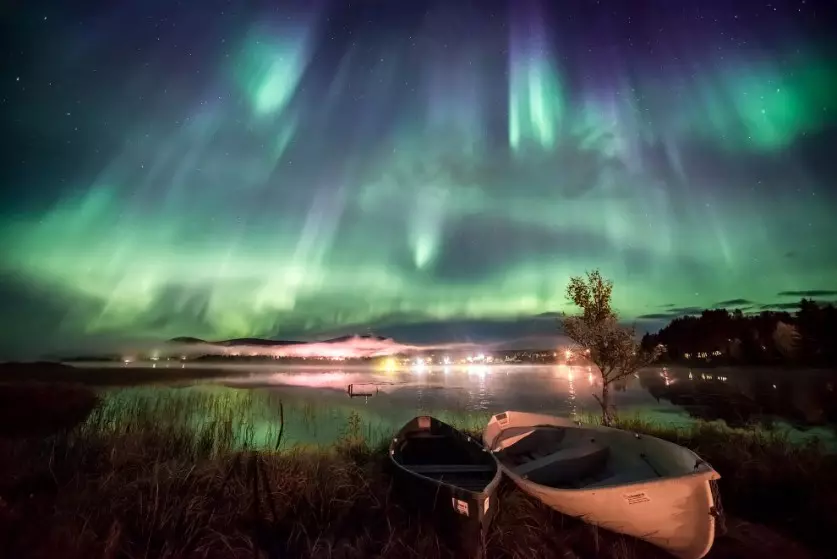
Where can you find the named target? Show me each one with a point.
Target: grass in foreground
(764, 477)
(130, 487)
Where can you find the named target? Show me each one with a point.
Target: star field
(300, 169)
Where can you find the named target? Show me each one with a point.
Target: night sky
(432, 170)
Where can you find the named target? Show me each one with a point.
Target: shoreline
(55, 372)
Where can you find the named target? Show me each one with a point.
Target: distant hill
(188, 340)
(351, 337)
(258, 342)
(49, 366)
(271, 343)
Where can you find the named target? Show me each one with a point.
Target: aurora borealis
(311, 168)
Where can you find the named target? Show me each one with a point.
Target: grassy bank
(154, 483)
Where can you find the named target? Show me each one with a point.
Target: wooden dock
(365, 390)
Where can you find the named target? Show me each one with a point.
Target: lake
(317, 402)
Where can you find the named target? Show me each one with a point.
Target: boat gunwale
(710, 475)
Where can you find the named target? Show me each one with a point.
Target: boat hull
(461, 512)
(674, 513)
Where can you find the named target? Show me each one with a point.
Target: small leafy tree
(613, 348)
(786, 339)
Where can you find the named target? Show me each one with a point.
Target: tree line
(807, 337)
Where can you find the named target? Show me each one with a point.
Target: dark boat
(447, 474)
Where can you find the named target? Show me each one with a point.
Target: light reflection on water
(478, 388)
(317, 404)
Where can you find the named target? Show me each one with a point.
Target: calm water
(316, 401)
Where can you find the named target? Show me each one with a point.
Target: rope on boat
(717, 509)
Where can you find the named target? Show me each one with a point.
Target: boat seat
(565, 465)
(448, 468)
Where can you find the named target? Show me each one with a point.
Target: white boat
(625, 482)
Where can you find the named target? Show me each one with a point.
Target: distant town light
(480, 370)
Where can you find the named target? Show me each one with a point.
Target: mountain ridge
(266, 342)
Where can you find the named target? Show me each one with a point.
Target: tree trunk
(607, 417)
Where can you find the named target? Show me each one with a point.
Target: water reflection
(741, 397)
(571, 385)
(802, 400)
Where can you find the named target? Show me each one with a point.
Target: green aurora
(284, 182)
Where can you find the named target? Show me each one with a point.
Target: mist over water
(318, 401)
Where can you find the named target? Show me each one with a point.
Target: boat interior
(446, 457)
(575, 458)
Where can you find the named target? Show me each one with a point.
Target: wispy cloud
(779, 306)
(733, 303)
(671, 313)
(686, 310)
(809, 293)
